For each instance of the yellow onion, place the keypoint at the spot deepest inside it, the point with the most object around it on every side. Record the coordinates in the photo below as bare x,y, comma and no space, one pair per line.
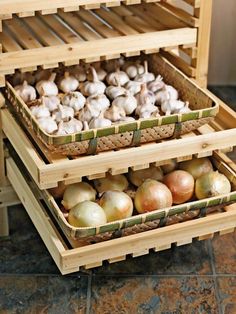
181,185
197,166
77,193
58,191
87,214
117,205
212,184
169,167
152,195
117,182
139,176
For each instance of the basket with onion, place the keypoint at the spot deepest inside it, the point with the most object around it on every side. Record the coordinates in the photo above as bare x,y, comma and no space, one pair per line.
141,200
86,109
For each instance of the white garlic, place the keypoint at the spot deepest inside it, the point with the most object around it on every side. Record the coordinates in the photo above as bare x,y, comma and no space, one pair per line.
26,92
85,125
98,102
166,93
88,113
156,85
145,97
172,106
68,83
114,113
79,72
48,124
115,91
40,111
101,73
51,102
111,65
127,119
75,100
94,87
173,93
133,69
184,109
70,127
117,77
146,111
146,76
133,87
64,113
99,122
47,87
128,102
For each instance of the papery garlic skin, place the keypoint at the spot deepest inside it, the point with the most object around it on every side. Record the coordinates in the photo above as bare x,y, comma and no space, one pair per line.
70,127
128,102
173,93
47,87
117,78
40,111
101,73
133,69
115,91
184,109
156,85
99,102
26,92
51,102
126,119
88,113
48,124
133,87
146,77
93,88
99,122
79,72
145,97
115,113
147,111
172,106
75,100
68,83
64,113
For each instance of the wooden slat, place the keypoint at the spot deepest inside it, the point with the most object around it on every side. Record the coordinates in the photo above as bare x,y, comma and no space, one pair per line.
8,197
8,43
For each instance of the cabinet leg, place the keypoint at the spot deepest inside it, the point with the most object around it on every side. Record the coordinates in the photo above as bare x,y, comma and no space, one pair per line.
4,226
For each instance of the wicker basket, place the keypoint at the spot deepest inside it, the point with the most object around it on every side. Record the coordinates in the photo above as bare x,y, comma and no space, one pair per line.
147,221
204,109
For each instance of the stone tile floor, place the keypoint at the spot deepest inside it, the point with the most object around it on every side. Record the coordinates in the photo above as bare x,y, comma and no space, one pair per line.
195,278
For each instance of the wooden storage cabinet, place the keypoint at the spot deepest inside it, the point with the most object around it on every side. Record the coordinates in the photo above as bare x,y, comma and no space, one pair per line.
182,36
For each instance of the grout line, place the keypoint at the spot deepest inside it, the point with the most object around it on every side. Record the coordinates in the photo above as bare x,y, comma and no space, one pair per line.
212,260
161,275
89,291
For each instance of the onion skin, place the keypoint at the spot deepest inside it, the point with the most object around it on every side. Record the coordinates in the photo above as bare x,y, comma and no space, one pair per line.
152,195
212,184
139,176
58,191
87,214
116,205
197,166
181,185
117,182
77,193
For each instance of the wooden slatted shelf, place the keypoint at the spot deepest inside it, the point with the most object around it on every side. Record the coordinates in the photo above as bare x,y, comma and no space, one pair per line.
70,258
47,169
68,38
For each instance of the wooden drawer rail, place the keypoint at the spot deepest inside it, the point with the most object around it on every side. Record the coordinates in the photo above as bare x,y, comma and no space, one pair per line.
59,168
71,260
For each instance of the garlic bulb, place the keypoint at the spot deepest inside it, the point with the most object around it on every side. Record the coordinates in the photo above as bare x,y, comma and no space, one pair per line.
101,73
87,114
94,87
126,119
48,124
75,100
68,83
133,69
161,96
156,85
98,102
184,109
51,102
147,111
128,102
145,97
40,111
79,72
114,113
115,91
47,87
26,92
133,87
99,122
70,127
146,76
117,77
172,106
19,78
111,65
173,93
64,113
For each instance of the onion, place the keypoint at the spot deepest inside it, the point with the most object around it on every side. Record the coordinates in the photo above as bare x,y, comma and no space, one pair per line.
58,191
77,193
87,214
181,185
197,166
169,167
139,176
117,205
152,195
212,184
117,182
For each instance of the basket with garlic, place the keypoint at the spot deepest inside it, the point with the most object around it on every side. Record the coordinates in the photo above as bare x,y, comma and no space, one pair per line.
109,105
